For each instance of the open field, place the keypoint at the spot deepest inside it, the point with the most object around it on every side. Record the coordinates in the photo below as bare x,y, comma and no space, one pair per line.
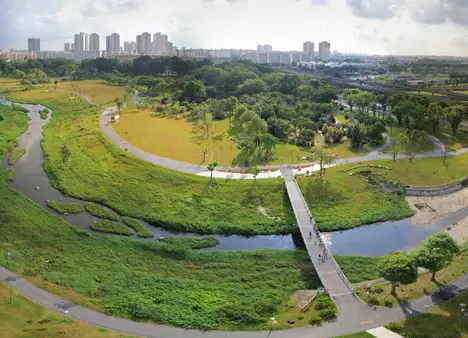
100,172
451,142
426,145
341,201
8,84
24,318
445,321
97,90
179,139
423,286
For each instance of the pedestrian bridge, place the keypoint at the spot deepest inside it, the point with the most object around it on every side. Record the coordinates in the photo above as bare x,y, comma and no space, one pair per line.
330,274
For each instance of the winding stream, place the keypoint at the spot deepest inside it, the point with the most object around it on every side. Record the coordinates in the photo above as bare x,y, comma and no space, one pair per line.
371,240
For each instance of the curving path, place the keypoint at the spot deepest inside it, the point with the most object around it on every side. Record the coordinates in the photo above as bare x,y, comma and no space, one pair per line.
352,318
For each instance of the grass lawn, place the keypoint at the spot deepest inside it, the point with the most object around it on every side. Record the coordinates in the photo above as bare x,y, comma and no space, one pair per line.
341,201
445,321
97,90
426,146
451,142
415,92
179,139
421,287
8,84
24,318
341,118
102,173
357,335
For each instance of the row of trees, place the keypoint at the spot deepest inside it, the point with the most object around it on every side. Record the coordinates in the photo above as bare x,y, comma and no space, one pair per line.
434,254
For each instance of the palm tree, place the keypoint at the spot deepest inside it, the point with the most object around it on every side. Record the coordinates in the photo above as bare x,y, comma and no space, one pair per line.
212,166
258,141
255,171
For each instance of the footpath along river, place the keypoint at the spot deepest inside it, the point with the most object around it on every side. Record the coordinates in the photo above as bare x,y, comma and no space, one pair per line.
371,240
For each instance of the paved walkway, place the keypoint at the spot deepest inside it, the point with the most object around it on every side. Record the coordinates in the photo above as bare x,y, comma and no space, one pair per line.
352,319
381,332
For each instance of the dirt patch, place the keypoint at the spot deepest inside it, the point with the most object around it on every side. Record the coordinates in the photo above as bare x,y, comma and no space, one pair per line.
429,209
459,231
302,297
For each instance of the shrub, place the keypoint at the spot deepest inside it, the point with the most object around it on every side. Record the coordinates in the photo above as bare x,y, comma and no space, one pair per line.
329,312
101,212
377,288
315,320
238,314
111,227
15,155
44,114
394,327
266,308
62,208
416,335
191,243
10,174
138,227
374,300
388,302
17,107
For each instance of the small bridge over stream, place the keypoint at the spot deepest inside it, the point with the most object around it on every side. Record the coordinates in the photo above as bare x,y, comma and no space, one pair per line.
333,279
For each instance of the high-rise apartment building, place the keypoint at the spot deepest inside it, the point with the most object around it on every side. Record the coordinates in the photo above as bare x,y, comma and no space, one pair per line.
308,47
267,48
94,42
127,47
259,48
113,43
34,44
81,42
324,51
67,47
143,43
72,47
160,43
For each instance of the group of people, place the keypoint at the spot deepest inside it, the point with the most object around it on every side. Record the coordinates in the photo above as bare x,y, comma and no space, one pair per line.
324,256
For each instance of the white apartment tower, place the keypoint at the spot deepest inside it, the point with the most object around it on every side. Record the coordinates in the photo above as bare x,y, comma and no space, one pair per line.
113,43
260,48
160,43
143,43
324,51
94,42
267,48
67,47
308,47
81,42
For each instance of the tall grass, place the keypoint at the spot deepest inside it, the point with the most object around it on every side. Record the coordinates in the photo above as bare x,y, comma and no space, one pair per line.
138,227
15,155
111,227
62,208
192,243
10,174
101,212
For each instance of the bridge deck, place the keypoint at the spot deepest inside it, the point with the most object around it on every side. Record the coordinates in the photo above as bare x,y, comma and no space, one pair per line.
328,271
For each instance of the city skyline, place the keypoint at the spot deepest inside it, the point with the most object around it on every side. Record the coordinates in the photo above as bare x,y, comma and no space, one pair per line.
378,27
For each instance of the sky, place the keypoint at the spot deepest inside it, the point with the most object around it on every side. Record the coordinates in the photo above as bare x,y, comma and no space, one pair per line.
398,27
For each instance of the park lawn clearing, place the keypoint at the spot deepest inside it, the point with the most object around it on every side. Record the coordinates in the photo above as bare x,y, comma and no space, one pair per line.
101,212
139,227
65,208
10,174
102,173
423,286
7,84
99,91
426,145
340,201
25,318
452,143
15,155
111,227
446,320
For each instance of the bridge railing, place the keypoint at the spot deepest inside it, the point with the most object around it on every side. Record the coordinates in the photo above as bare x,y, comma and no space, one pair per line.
337,267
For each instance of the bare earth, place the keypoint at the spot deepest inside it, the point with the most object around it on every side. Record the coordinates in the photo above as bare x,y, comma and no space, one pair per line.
429,209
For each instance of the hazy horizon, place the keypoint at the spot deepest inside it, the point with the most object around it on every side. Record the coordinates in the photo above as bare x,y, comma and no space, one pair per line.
398,27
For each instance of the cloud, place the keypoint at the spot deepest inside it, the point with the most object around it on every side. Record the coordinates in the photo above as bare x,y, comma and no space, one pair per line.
370,35
319,2
93,8
374,9
439,11
228,1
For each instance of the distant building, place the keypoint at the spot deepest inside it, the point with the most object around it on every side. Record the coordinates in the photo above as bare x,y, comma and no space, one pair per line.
72,47
81,42
308,47
133,46
259,48
267,48
55,55
324,51
113,43
94,42
34,44
143,43
160,43
67,47
127,47
86,55
18,56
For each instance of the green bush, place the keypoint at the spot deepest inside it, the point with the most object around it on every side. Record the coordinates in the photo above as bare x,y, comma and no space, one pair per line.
62,208
10,174
139,227
388,302
44,114
238,314
329,312
15,154
17,107
111,227
101,212
191,242
315,320
377,288
266,308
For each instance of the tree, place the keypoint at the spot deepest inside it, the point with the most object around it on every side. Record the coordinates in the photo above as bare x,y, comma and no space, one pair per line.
211,167
357,136
374,133
395,146
194,91
119,103
323,158
252,86
255,171
456,115
398,268
18,74
65,154
413,141
363,101
401,110
436,251
256,125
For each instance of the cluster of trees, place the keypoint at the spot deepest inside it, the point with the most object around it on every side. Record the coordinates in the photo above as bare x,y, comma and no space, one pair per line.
52,68
434,254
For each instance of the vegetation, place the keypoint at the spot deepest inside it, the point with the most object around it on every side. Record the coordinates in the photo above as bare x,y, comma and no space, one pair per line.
326,309
359,268
98,91
62,208
398,268
446,320
101,212
139,227
340,201
44,113
102,173
111,227
10,174
363,334
24,318
15,155
191,243
20,108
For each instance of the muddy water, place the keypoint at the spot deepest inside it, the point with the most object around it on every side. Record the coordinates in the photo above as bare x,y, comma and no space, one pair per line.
373,240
